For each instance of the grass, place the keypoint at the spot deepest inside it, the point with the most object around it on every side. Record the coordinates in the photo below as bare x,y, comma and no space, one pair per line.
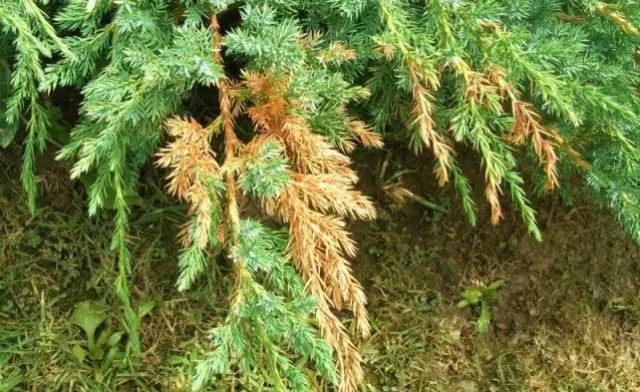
566,319
557,323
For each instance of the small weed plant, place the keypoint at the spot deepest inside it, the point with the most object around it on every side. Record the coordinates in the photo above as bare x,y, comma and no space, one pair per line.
479,299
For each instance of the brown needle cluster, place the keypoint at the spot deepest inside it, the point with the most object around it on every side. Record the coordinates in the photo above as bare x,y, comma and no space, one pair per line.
423,82
361,132
490,89
337,51
477,92
421,85
358,132
192,166
477,88
315,205
526,123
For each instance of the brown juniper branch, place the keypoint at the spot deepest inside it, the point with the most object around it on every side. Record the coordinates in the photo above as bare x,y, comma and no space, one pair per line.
233,212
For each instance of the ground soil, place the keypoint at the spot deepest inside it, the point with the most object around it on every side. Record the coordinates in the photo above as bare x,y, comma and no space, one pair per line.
565,319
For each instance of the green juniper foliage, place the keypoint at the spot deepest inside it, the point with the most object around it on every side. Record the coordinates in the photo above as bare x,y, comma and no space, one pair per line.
545,83
26,37
263,318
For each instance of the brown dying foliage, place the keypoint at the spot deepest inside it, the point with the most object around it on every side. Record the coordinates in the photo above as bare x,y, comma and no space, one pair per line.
477,88
422,84
192,166
526,123
315,205
336,51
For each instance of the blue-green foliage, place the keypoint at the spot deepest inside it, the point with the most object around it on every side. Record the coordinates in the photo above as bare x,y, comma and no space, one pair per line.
266,173
25,25
267,325
137,63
